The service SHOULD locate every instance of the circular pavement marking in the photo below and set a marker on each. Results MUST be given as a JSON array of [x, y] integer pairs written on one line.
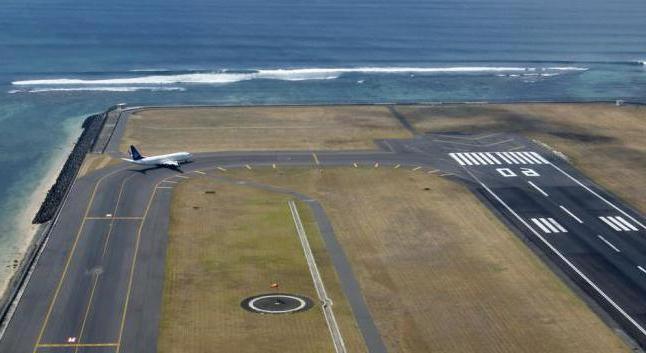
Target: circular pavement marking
[[276, 303]]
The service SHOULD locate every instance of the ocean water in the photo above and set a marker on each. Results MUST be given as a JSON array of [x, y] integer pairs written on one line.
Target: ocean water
[[61, 60]]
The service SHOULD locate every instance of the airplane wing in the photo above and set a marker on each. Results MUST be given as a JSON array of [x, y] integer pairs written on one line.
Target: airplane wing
[[168, 163]]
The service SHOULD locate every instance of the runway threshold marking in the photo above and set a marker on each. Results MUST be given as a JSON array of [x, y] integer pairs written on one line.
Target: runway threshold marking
[[316, 159], [337, 339], [538, 188], [69, 259], [221, 169], [570, 213], [608, 243], [561, 256]]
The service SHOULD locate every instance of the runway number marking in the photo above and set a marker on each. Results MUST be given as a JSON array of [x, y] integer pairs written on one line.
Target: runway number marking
[[508, 173]]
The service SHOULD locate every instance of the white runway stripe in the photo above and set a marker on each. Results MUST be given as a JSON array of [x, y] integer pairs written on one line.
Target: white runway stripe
[[537, 188], [557, 225], [617, 223], [626, 223], [612, 225], [484, 156], [571, 214], [491, 158], [549, 225], [494, 159], [539, 157], [540, 225], [468, 156], [530, 156], [521, 157], [475, 155], [512, 158], [608, 243], [508, 161], [457, 159]]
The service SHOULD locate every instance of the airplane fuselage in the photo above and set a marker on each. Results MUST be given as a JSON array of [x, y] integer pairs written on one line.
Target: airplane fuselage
[[179, 157]]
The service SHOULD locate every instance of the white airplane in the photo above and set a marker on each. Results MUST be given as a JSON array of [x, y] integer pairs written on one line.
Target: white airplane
[[172, 160]]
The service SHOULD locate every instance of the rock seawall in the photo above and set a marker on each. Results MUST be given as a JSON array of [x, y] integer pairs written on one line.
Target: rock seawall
[[91, 128]]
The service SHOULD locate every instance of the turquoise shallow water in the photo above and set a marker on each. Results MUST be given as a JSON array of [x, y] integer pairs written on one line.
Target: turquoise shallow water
[[61, 60]]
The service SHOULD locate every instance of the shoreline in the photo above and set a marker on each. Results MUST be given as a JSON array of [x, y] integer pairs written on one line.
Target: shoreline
[[26, 230]]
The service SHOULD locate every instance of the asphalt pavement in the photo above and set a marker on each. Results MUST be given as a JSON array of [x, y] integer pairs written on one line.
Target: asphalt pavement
[[98, 283]]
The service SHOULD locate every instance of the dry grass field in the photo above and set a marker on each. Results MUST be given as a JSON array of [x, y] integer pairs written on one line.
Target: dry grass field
[[260, 128], [439, 271], [232, 244], [605, 142]]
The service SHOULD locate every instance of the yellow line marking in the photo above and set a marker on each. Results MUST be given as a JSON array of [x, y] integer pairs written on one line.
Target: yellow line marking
[[55, 345], [416, 168], [377, 165], [273, 165], [397, 166], [111, 218], [105, 248], [68, 260], [247, 166], [199, 172], [355, 165], [222, 169], [316, 159], [87, 309], [132, 268]]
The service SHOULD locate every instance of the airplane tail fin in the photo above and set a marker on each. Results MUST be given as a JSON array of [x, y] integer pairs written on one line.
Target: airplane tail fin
[[135, 154]]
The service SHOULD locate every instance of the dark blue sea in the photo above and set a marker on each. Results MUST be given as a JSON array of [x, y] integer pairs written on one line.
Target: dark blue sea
[[61, 60]]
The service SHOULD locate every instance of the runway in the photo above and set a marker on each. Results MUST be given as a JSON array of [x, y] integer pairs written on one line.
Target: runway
[[98, 283], [598, 242]]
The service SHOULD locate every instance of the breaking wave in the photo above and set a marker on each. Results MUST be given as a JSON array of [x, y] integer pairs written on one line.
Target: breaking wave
[[228, 76], [97, 89]]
